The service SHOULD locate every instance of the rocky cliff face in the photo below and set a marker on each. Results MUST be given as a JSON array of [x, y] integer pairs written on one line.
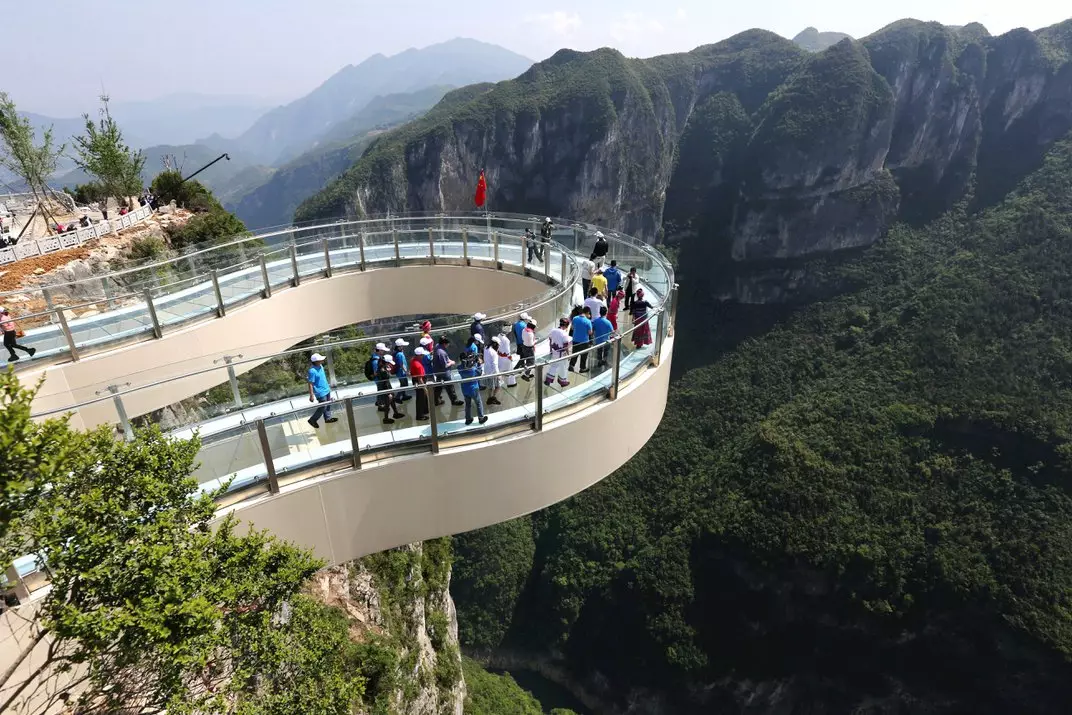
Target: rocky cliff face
[[400, 600], [751, 149]]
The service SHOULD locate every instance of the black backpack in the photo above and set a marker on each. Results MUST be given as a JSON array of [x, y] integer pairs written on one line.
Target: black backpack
[[370, 371]]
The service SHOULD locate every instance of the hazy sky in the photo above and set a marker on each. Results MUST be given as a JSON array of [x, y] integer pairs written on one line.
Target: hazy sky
[[56, 53]]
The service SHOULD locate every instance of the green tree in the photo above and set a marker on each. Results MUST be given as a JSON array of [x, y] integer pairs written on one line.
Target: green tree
[[168, 186], [152, 605], [204, 227], [490, 694], [103, 153], [21, 154]]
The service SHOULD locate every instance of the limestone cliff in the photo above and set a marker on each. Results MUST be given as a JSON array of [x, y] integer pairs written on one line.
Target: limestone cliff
[[752, 150], [399, 603]]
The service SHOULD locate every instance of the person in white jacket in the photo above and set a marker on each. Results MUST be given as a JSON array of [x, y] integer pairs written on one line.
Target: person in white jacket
[[560, 348], [491, 365], [506, 357]]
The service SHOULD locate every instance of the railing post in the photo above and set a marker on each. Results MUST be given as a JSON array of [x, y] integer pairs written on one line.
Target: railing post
[[433, 417], [547, 263], [616, 367], [124, 421], [67, 334], [431, 246], [537, 423], [562, 277], [157, 332], [465, 245], [266, 292], [221, 309], [352, 424], [266, 453], [361, 247], [107, 294], [295, 279], [331, 368], [495, 249], [327, 259], [398, 256], [232, 378], [47, 293], [524, 255], [658, 337], [673, 309]]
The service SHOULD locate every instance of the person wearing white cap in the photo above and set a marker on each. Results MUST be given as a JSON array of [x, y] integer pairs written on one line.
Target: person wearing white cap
[[519, 328], [418, 374], [560, 348], [526, 349], [506, 358], [491, 369], [477, 328], [319, 390], [401, 370], [385, 402], [599, 252]]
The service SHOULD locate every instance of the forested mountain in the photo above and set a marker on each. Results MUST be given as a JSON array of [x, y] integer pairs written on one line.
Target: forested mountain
[[863, 503], [272, 200], [285, 132]]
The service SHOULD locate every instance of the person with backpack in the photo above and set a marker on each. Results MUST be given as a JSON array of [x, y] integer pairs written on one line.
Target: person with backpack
[[385, 402], [469, 367]]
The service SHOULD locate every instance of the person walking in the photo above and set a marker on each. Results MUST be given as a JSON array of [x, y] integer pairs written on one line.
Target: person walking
[[535, 251], [599, 251], [632, 285], [582, 338], [11, 336], [506, 359], [319, 390], [386, 401], [594, 302], [491, 370], [477, 327], [471, 391], [441, 365], [560, 348], [429, 347], [601, 332], [599, 283], [587, 271], [614, 278], [526, 350], [613, 306], [401, 370], [417, 376], [519, 329], [641, 324]]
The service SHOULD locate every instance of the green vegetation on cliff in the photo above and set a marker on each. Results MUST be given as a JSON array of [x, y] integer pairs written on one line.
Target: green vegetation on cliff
[[870, 502]]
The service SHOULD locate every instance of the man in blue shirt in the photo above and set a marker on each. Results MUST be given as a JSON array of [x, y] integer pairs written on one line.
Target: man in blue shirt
[[400, 370], [601, 330], [582, 339], [471, 391], [477, 328], [519, 329], [614, 278], [319, 391], [441, 365]]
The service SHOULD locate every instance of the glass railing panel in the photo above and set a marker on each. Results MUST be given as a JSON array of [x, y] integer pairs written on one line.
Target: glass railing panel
[[92, 324], [310, 257], [241, 282], [184, 299], [296, 444], [41, 329], [235, 457]]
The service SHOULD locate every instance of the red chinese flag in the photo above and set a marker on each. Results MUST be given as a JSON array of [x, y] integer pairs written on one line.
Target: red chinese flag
[[481, 191]]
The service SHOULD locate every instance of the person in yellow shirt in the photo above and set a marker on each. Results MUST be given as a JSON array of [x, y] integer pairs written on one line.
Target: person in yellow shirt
[[599, 282]]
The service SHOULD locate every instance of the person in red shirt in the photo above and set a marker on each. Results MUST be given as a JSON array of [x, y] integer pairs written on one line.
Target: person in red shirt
[[613, 305], [417, 375]]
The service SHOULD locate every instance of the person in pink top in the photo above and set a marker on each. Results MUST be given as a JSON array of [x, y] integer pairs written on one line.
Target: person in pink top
[[7, 324], [613, 306]]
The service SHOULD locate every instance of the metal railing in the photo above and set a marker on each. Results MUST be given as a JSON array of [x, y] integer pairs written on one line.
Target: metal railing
[[28, 248]]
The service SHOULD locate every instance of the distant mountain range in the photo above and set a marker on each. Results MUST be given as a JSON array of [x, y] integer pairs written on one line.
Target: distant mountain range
[[812, 40], [286, 132]]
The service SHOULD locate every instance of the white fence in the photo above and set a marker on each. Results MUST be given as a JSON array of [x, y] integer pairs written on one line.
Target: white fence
[[41, 246]]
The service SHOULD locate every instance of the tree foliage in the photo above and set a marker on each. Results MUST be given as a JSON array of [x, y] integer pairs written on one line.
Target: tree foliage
[[151, 605], [168, 186], [19, 151], [491, 694], [102, 153]]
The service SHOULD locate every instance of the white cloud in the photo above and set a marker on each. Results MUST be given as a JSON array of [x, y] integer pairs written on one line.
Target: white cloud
[[633, 26], [559, 22]]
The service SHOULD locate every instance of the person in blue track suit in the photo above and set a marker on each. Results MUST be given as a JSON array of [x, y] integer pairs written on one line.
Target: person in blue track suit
[[319, 390], [401, 371]]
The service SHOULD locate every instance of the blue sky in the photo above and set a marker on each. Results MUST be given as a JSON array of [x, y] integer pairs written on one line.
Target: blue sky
[[57, 53]]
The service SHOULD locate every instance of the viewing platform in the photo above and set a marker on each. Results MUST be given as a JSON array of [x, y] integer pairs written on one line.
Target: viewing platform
[[169, 341]]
